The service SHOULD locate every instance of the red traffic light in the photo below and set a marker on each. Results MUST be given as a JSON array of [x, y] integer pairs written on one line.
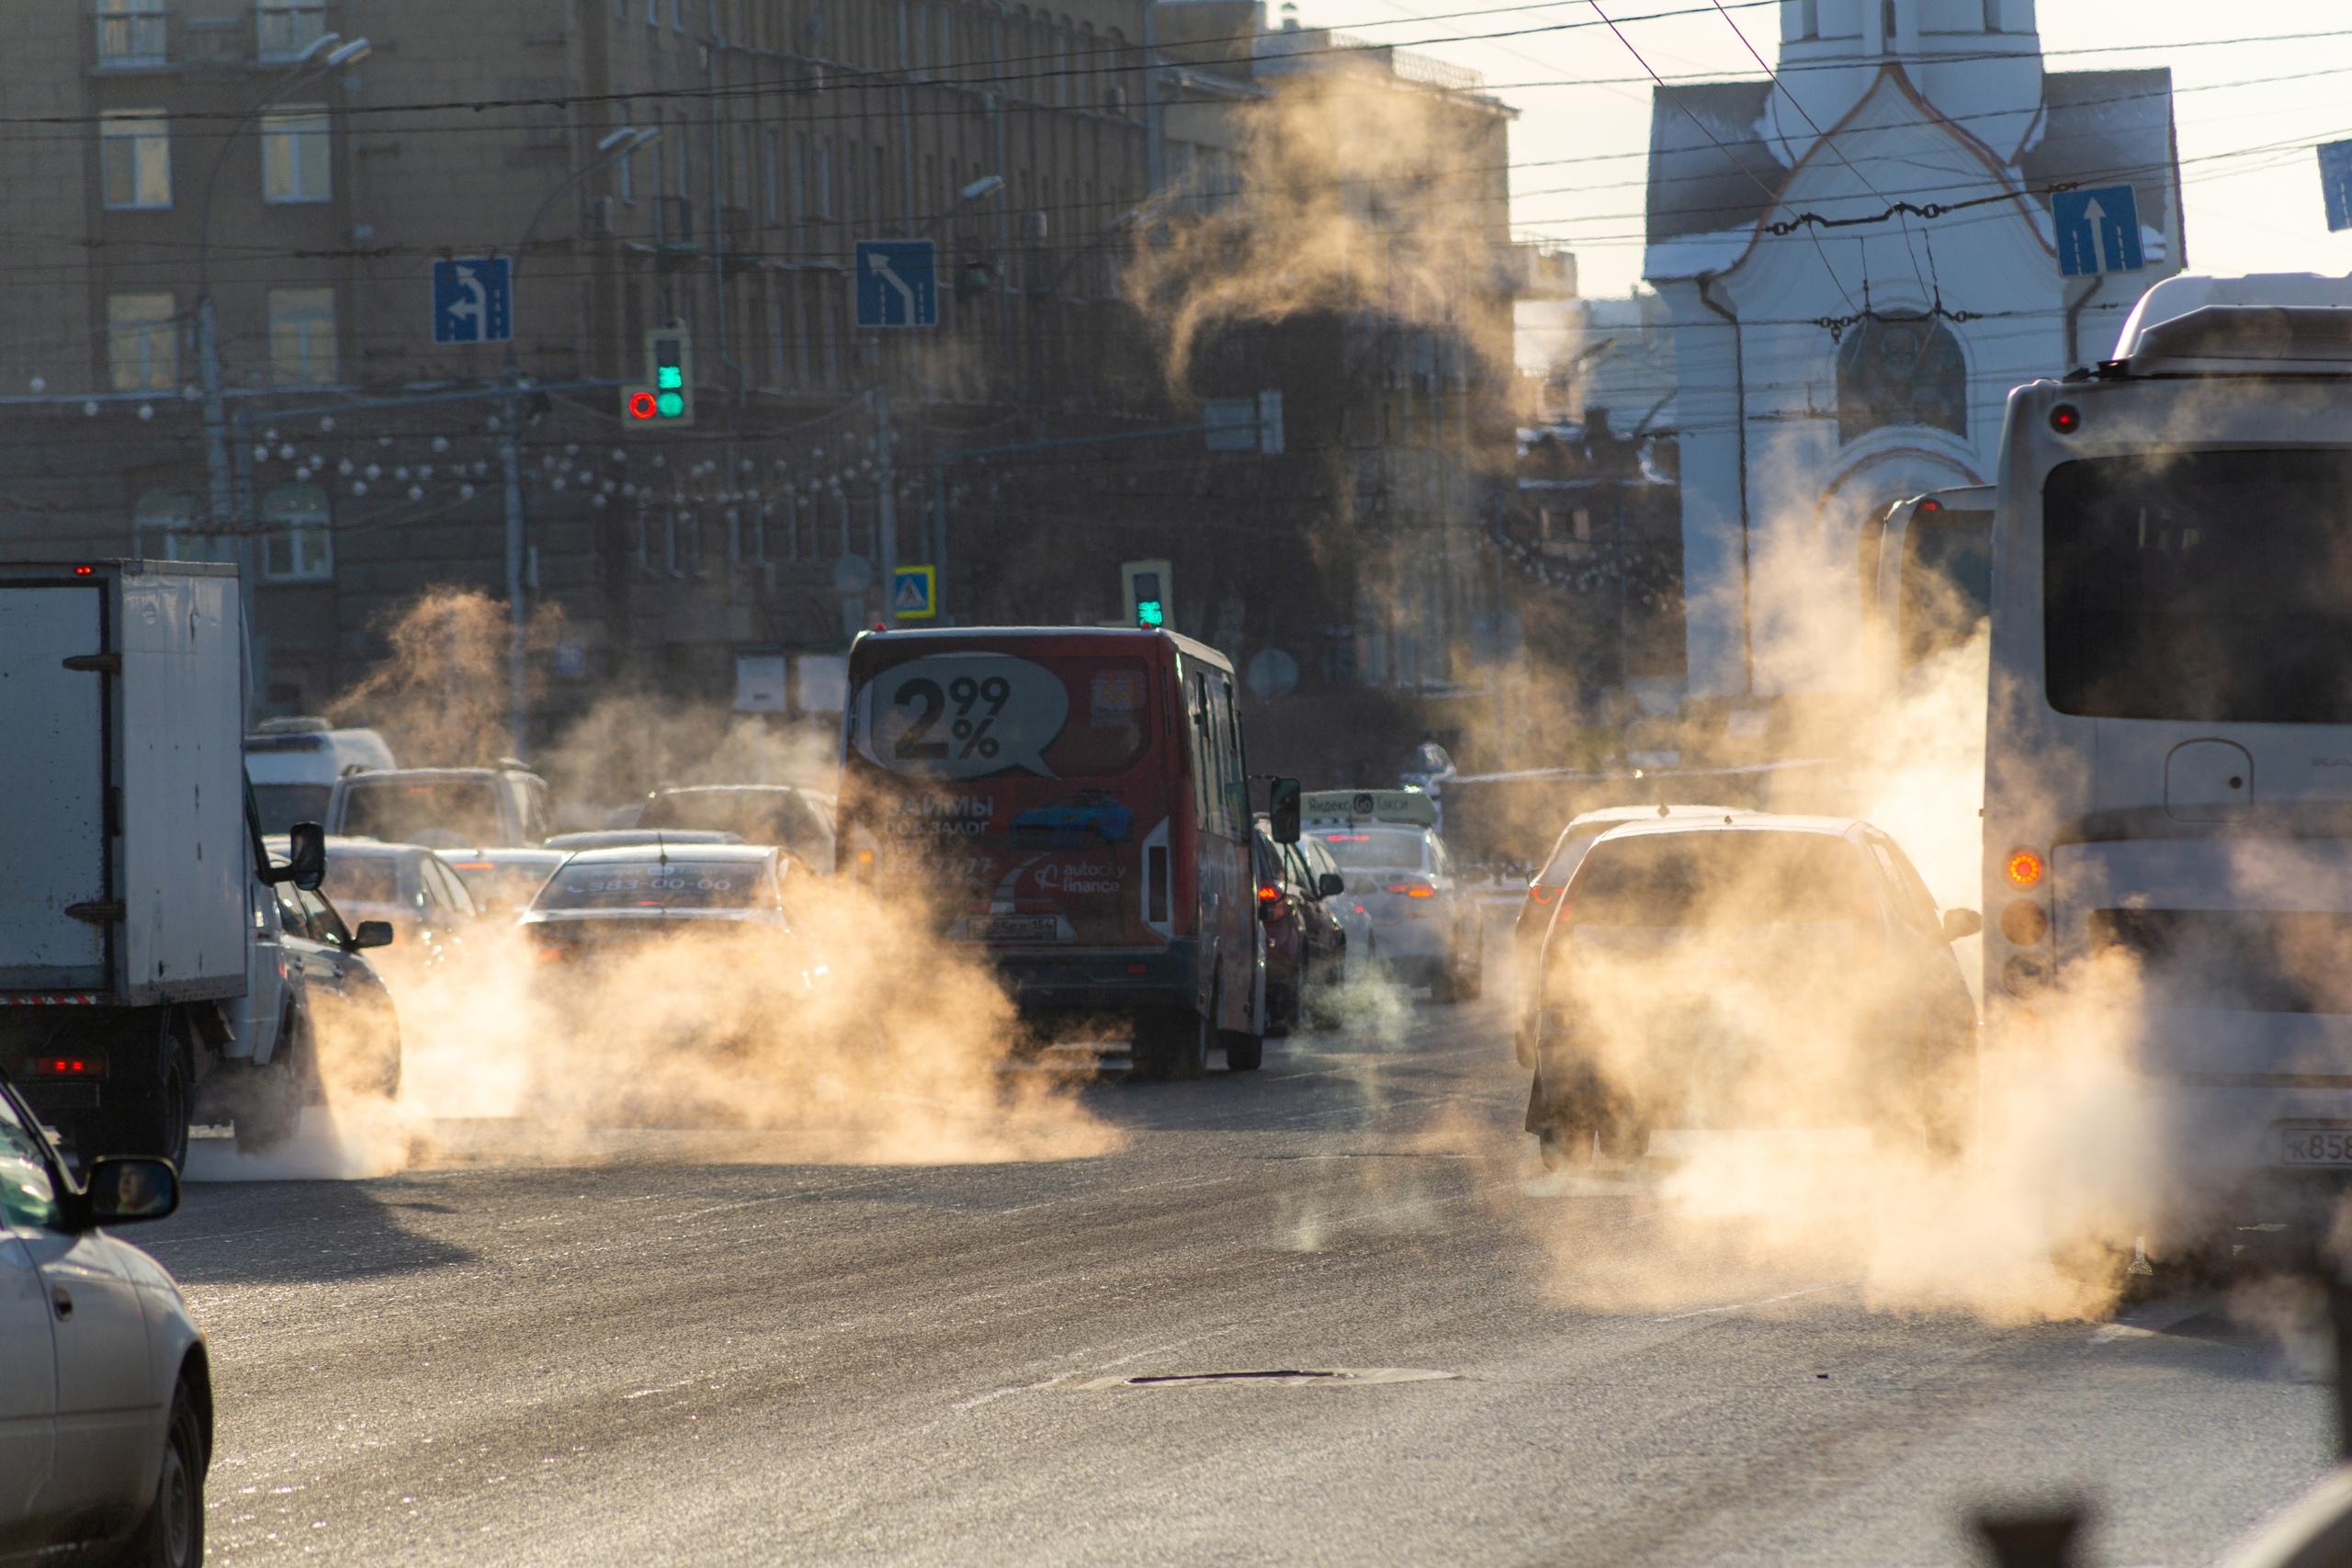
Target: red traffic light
[[642, 405]]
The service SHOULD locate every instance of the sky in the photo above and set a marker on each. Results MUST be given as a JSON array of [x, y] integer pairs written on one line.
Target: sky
[[2251, 180]]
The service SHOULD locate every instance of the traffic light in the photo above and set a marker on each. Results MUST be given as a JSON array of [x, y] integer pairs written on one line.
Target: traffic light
[[668, 396], [1151, 589]]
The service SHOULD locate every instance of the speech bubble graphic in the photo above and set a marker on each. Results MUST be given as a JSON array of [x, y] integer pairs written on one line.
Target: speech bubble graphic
[[962, 716]]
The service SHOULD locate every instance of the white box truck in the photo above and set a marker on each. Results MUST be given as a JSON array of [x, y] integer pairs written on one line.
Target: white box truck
[[136, 890]]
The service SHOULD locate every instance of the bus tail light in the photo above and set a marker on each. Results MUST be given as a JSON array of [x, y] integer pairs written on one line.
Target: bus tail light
[[2065, 419], [2024, 868]]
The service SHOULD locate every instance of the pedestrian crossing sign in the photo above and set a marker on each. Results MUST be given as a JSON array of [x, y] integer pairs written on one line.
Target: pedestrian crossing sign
[[915, 593]]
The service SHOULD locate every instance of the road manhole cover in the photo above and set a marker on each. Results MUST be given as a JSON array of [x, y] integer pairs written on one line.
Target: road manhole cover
[[1289, 1377]]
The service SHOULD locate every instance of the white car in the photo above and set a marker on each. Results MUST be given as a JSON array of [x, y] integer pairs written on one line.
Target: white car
[[106, 1398], [1426, 925]]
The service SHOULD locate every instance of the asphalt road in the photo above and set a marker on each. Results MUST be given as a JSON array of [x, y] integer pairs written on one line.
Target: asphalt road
[[689, 1349]]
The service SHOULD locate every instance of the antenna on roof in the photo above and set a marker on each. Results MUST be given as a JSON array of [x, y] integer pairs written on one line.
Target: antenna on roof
[[661, 850], [1662, 810]]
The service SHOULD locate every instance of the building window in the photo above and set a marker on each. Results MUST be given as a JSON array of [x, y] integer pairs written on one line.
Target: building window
[[301, 337], [284, 28], [627, 177], [1900, 370], [133, 33], [296, 544], [1991, 16], [294, 146], [824, 204], [142, 342], [135, 158], [163, 527], [771, 176], [943, 58], [678, 15], [918, 38]]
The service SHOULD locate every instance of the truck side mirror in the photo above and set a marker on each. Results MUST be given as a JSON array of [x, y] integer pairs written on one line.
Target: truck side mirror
[[1281, 811], [306, 857]]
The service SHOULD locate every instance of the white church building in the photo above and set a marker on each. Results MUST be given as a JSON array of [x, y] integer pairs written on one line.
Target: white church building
[[1833, 357]]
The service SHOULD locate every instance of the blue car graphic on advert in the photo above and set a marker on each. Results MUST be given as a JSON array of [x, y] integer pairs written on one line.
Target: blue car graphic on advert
[[1088, 816]]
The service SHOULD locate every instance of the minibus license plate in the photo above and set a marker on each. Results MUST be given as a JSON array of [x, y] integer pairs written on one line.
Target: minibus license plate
[[2316, 1146], [1012, 928]]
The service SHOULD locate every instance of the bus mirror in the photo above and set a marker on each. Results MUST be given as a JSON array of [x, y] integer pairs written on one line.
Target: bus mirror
[[1282, 810]]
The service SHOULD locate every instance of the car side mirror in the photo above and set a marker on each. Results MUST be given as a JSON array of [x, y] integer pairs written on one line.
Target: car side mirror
[[1959, 923], [123, 1191], [306, 857], [1330, 885], [1281, 811], [372, 933]]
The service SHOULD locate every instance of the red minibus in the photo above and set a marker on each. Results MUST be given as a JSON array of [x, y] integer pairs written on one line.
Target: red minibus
[[1076, 801]]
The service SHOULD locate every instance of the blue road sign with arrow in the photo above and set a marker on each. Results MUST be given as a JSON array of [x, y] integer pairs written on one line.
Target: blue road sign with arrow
[[2335, 182], [473, 300], [898, 283], [2099, 230]]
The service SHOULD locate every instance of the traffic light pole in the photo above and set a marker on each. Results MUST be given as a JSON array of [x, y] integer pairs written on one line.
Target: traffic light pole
[[510, 459]]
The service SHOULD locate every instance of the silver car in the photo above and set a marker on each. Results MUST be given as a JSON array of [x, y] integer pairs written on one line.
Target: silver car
[[105, 1395]]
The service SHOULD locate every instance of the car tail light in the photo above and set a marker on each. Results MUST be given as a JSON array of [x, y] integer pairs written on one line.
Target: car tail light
[[551, 951], [2024, 868], [1411, 889], [1539, 894], [65, 1066], [1270, 900]]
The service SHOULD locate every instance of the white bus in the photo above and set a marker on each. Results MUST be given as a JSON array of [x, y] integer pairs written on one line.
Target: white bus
[[2168, 762]]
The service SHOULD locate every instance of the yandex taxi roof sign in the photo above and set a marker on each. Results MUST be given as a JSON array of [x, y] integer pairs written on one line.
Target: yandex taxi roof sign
[[1406, 807]]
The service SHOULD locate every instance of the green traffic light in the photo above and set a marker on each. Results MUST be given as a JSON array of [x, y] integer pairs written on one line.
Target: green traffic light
[[670, 404], [1150, 613], [670, 378]]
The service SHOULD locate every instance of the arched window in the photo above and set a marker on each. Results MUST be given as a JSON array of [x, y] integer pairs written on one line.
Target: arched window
[[1900, 370], [296, 544]]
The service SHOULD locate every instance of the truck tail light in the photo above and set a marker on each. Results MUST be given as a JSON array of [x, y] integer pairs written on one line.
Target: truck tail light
[[65, 1067]]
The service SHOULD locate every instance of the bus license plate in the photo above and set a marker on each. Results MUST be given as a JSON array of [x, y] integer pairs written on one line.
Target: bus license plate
[[2316, 1146], [1012, 928]]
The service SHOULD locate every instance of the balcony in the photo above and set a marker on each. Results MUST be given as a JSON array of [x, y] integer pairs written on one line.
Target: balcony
[[284, 28], [133, 35]]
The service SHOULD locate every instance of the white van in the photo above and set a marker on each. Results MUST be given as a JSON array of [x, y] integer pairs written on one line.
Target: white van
[[293, 764]]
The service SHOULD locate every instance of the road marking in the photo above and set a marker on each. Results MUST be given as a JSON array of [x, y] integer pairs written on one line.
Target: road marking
[[1743, 1306], [2150, 1322]]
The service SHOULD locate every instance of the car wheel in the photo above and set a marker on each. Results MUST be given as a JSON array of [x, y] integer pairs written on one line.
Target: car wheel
[[1173, 1043], [1556, 1145], [172, 1535], [153, 1119], [268, 1109]]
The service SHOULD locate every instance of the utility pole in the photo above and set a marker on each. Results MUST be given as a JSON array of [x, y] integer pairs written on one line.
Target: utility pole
[[220, 505], [510, 458], [887, 505]]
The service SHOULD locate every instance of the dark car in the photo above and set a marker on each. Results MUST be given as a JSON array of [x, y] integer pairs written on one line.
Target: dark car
[[708, 914], [1745, 971], [1306, 950], [350, 1026]]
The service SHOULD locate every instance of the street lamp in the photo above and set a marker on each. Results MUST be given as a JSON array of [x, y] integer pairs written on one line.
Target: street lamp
[[326, 53]]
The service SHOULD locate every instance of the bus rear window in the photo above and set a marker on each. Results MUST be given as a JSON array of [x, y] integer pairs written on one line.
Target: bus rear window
[[1946, 580], [1746, 878], [982, 714], [2204, 586]]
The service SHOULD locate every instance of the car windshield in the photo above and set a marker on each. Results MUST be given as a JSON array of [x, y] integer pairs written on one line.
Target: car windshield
[[1750, 878], [1383, 849], [501, 885], [363, 878], [283, 805], [652, 884], [421, 811], [2206, 586]]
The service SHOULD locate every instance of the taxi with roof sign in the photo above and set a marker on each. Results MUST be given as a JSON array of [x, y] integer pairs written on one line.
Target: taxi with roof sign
[[1398, 869]]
